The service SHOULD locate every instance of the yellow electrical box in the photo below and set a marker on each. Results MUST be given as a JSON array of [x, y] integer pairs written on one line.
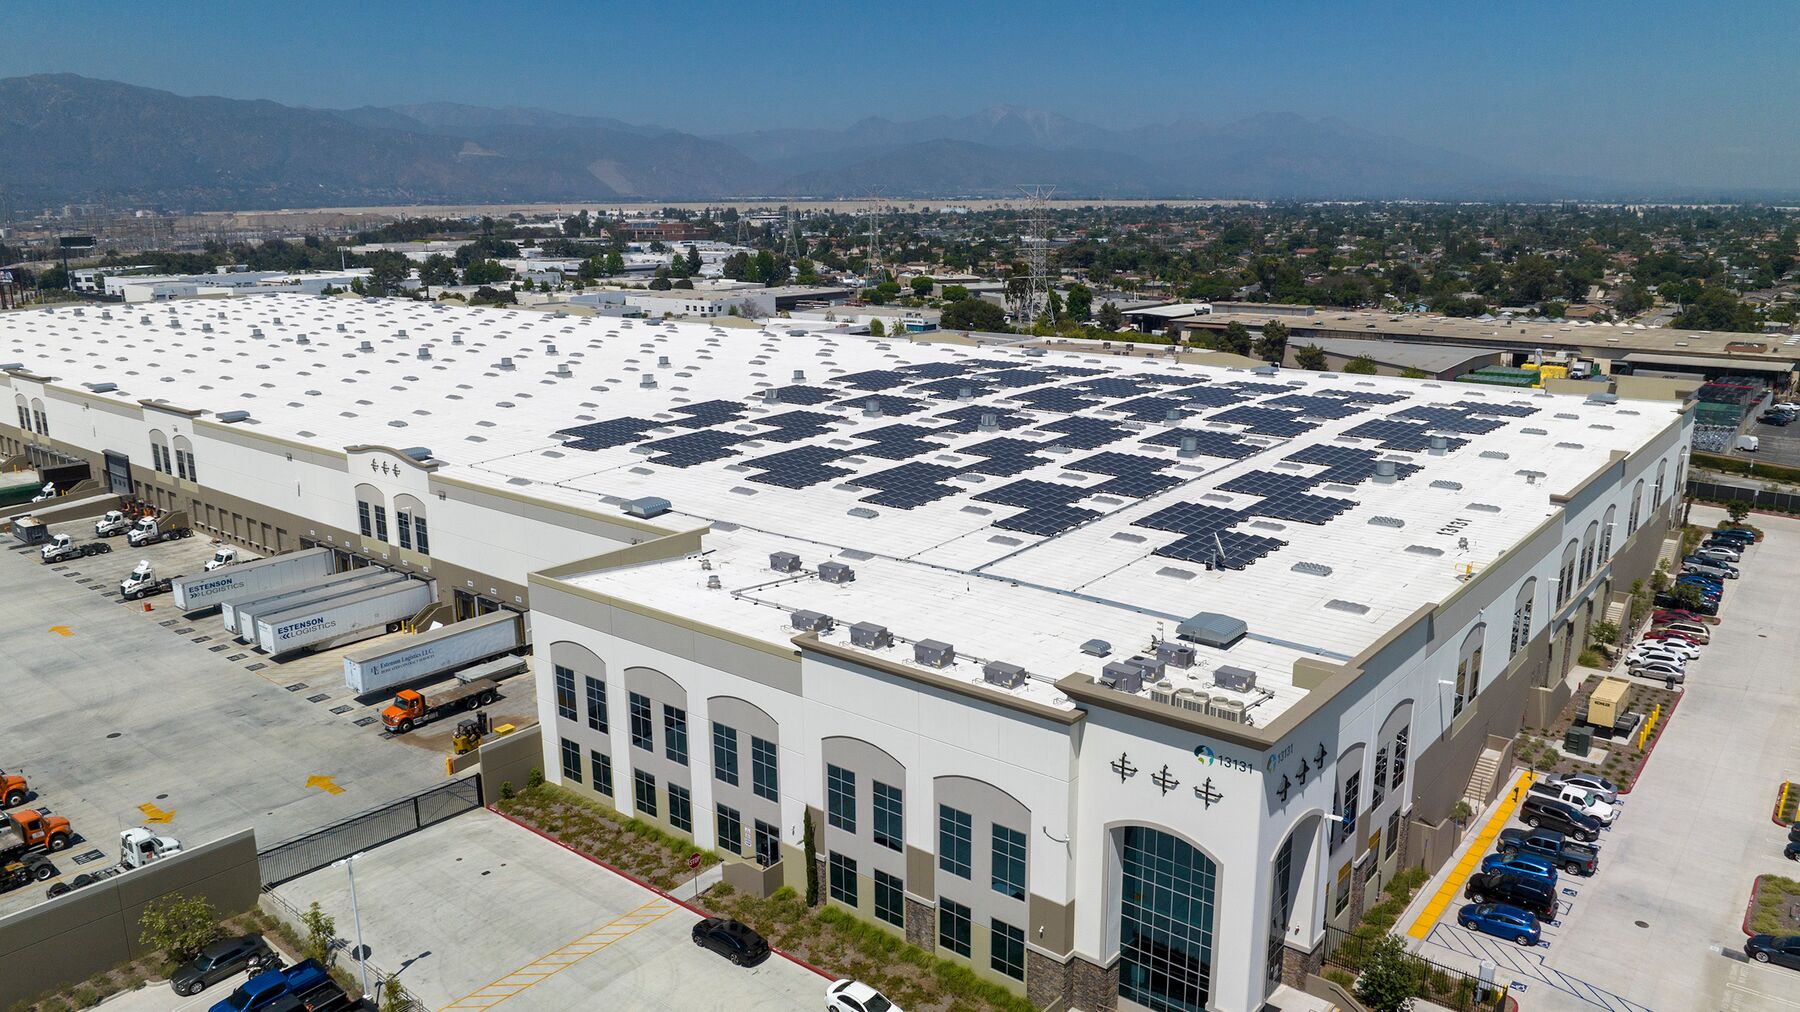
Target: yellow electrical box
[[1608, 702]]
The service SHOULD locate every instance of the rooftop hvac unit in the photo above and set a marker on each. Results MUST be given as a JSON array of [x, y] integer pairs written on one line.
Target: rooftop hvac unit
[[342, 329], [647, 382], [206, 328], [647, 507], [784, 562], [549, 349], [934, 654], [1175, 655], [101, 388], [398, 333], [1096, 648], [233, 416], [1003, 674], [562, 371], [799, 375], [424, 351], [367, 346], [1122, 677], [505, 362], [1162, 692], [870, 636], [1151, 668], [1192, 700], [662, 361], [836, 572], [712, 582], [812, 621], [1211, 629], [1235, 678], [302, 339]]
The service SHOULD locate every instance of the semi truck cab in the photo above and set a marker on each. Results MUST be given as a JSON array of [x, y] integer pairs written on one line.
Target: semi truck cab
[[113, 523], [141, 582], [45, 493], [28, 829], [221, 558]]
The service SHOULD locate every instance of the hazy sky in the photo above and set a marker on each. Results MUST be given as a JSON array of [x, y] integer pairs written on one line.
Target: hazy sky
[[1699, 94]]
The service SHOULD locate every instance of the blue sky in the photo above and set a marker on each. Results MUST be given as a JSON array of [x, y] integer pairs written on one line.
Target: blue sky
[[1697, 94]]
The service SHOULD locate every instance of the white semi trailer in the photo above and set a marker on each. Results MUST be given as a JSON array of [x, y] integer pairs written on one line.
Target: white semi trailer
[[240, 615], [432, 654], [342, 620], [279, 572]]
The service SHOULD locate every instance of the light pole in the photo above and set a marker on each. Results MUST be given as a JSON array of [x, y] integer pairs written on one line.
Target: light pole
[[362, 963]]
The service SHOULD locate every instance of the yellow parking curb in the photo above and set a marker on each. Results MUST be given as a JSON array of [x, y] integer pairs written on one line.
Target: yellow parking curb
[[1471, 858]]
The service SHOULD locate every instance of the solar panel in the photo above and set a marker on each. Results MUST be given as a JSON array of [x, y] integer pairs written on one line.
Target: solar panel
[[694, 448], [951, 388], [1111, 386], [968, 419], [1151, 409], [1031, 493], [1268, 483], [607, 434], [1063, 399], [1301, 508], [708, 413], [1365, 396], [1115, 463], [1264, 421], [1004, 456], [1239, 550], [1208, 396], [793, 426], [936, 370], [1347, 465], [909, 485], [890, 405], [1317, 407], [1412, 437], [1046, 521], [875, 379], [1137, 486], [1210, 442], [1455, 419], [800, 467], [1020, 377], [805, 395], [1084, 433]]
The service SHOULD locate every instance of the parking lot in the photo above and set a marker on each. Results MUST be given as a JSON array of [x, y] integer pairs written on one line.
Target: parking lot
[[1660, 925], [120, 717], [476, 912]]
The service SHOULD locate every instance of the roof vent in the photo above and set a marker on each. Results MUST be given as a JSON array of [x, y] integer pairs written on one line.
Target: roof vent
[[799, 375], [990, 422], [1003, 674], [873, 408], [1603, 398], [965, 393], [836, 572], [455, 338], [1264, 370], [418, 453], [1121, 676], [870, 636], [934, 653], [1312, 568], [1212, 629], [812, 621], [1445, 483], [712, 582], [1424, 550], [424, 351], [1175, 655], [1495, 455], [647, 507], [647, 382], [365, 346], [1352, 607], [398, 333], [1384, 472], [303, 339], [1381, 521], [101, 388], [206, 328], [662, 361], [784, 562], [1096, 648], [342, 329], [1439, 444], [1235, 678], [506, 363], [229, 417], [549, 349]]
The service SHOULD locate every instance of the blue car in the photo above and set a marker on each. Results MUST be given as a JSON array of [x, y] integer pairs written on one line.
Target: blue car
[[1502, 920], [1528, 866]]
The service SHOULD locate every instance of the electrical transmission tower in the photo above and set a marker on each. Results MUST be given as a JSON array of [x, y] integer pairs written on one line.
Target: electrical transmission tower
[[1034, 299], [790, 248], [875, 269]]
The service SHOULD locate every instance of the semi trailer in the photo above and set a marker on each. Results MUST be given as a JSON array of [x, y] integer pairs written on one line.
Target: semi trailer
[[432, 654], [341, 620], [241, 620], [279, 572]]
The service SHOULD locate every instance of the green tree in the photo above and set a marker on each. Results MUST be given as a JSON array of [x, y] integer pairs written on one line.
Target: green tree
[[1738, 510], [1310, 356], [178, 926], [877, 329], [1553, 309], [1080, 303], [922, 286], [1361, 365], [974, 314], [53, 276], [321, 933], [1717, 309], [1110, 317], [486, 272], [1272, 345], [809, 850], [1390, 976], [955, 293], [660, 284], [437, 271], [1235, 338], [615, 264], [393, 993], [693, 260]]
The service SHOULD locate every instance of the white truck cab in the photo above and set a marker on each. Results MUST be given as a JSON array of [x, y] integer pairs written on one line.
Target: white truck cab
[[142, 532], [47, 492], [141, 577], [112, 523], [221, 558], [58, 546]]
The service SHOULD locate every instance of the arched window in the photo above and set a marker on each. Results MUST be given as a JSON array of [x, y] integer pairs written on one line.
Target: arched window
[[1637, 501], [1565, 573], [371, 512], [1589, 541], [1521, 623], [410, 525], [160, 458], [1468, 669], [1662, 471], [184, 458], [24, 412], [1167, 889], [37, 412], [1606, 532]]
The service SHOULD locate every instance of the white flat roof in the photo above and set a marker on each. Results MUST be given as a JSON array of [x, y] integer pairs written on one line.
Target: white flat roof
[[1077, 517]]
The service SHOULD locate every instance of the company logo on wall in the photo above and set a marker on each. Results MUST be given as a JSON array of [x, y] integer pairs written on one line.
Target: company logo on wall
[[1205, 755]]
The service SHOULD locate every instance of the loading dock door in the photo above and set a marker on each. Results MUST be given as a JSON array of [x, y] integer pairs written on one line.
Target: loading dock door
[[118, 472]]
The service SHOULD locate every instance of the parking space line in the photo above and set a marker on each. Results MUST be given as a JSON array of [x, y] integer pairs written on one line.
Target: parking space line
[[551, 963], [1453, 884]]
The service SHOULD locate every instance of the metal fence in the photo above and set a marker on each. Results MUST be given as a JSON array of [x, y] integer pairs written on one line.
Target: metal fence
[[1443, 986], [380, 980], [1758, 498], [315, 850]]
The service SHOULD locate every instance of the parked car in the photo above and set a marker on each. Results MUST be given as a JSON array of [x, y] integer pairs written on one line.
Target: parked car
[[1645, 654], [1792, 851], [1695, 631], [1704, 582], [732, 939], [223, 959], [1710, 567], [1502, 920], [1666, 649], [1719, 551], [1530, 895], [1540, 812], [1775, 418], [1744, 534], [1787, 406], [1782, 950], [855, 996], [1588, 803], [1671, 636], [1606, 789], [1662, 671], [1703, 606], [1574, 858], [1532, 866]]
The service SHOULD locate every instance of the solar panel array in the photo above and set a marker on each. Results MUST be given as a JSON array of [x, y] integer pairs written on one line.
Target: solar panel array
[[1094, 412]]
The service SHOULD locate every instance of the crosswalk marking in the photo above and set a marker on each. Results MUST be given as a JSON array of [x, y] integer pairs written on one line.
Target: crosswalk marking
[[552, 963]]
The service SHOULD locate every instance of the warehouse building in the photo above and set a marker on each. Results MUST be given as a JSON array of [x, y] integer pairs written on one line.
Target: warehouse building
[[1123, 680]]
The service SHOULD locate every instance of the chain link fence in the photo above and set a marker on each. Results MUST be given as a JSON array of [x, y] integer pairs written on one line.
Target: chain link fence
[[315, 850], [389, 995]]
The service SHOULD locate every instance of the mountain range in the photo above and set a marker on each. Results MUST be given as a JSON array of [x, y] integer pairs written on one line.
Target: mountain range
[[70, 139]]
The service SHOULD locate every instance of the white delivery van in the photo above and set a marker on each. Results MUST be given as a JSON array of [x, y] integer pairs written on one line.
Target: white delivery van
[[1749, 444]]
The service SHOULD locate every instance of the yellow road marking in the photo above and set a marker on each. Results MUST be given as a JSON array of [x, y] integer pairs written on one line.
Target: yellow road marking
[[552, 963], [326, 784], [61, 630], [1453, 885], [154, 814]]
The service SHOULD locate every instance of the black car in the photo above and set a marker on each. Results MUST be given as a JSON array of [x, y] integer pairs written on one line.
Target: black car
[[1775, 418], [1522, 892], [222, 959], [1782, 950], [1547, 813], [731, 939]]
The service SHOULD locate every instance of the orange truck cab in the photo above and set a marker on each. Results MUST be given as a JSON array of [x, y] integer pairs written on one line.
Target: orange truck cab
[[28, 829], [13, 791], [407, 708]]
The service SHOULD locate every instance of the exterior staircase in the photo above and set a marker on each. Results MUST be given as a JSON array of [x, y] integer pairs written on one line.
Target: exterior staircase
[[1481, 782]]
